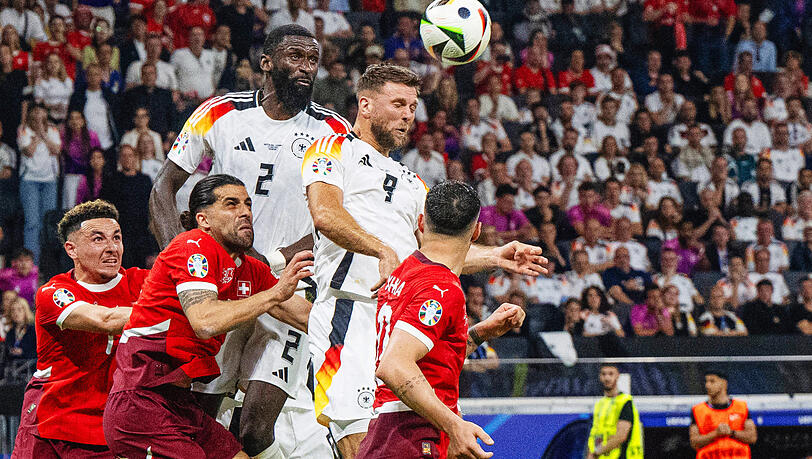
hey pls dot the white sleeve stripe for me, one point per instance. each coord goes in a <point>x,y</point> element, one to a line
<point>67,311</point>
<point>196,285</point>
<point>412,330</point>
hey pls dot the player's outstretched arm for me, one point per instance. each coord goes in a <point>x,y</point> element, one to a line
<point>333,221</point>
<point>505,318</point>
<point>96,319</point>
<point>514,257</point>
<point>399,371</point>
<point>163,212</point>
<point>210,317</point>
<point>294,311</point>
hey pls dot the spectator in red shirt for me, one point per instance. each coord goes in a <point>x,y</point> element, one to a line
<point>664,15</point>
<point>80,36</point>
<point>196,13</point>
<point>58,44</point>
<point>713,22</point>
<point>12,40</point>
<point>499,64</point>
<point>534,75</point>
<point>575,72</point>
<point>744,66</point>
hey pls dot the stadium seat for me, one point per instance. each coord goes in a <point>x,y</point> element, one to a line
<point>704,281</point>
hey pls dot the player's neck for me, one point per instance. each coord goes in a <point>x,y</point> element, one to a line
<point>363,131</point>
<point>719,399</point>
<point>90,277</point>
<point>613,392</point>
<point>273,106</point>
<point>447,251</point>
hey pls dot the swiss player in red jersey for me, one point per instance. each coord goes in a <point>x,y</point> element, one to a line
<point>423,338</point>
<point>79,316</point>
<point>179,323</point>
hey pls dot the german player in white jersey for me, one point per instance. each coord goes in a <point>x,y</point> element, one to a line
<point>365,209</point>
<point>260,137</point>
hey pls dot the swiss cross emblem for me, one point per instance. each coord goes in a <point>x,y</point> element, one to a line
<point>243,288</point>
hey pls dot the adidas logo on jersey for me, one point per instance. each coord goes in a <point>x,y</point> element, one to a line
<point>365,161</point>
<point>282,374</point>
<point>245,145</point>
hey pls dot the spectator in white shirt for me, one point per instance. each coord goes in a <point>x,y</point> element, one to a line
<point>27,23</point>
<point>638,253</point>
<point>145,150</point>
<point>495,105</point>
<point>612,190</point>
<point>194,67</point>
<point>597,314</point>
<point>622,92</point>
<point>527,151</point>
<point>166,71</point>
<point>426,162</point>
<point>716,321</point>
<point>141,127</point>
<point>688,294</point>
<point>610,163</point>
<point>775,104</point>
<point>720,183</point>
<point>762,271</point>
<point>295,13</point>
<point>787,161</point>
<point>758,134</point>
<point>779,254</point>
<point>54,89</point>
<point>605,63</point>
<point>736,287</point>
<point>569,147</point>
<point>659,186</point>
<point>335,25</point>
<point>793,227</point>
<point>581,277</point>
<point>678,134</point>
<point>800,129</point>
<point>765,190</point>
<point>607,125</point>
<point>564,191</point>
<point>664,102</point>
<point>694,159</point>
<point>475,127</point>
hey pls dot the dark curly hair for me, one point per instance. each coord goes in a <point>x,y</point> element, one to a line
<point>73,219</point>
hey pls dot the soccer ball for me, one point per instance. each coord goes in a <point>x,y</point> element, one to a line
<point>455,31</point>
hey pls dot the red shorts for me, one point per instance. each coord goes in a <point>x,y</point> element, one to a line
<point>403,435</point>
<point>28,444</point>
<point>164,422</point>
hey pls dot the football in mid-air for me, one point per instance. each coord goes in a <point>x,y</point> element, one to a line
<point>455,31</point>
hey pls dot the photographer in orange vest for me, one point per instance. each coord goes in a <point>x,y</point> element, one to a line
<point>721,426</point>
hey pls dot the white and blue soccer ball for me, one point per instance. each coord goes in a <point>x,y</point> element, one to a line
<point>455,32</point>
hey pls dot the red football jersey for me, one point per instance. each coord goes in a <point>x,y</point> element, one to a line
<point>76,367</point>
<point>158,345</point>
<point>424,299</point>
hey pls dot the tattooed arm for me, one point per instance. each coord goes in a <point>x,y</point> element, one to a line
<point>210,317</point>
<point>399,371</point>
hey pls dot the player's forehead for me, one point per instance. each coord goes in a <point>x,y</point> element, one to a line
<point>297,43</point>
<point>398,91</point>
<point>226,192</point>
<point>105,226</point>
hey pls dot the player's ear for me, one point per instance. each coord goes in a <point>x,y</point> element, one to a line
<point>265,63</point>
<point>364,106</point>
<point>477,231</point>
<point>70,249</point>
<point>202,221</point>
<point>421,223</point>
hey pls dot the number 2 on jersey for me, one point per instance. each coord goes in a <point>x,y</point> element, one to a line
<point>389,184</point>
<point>267,177</point>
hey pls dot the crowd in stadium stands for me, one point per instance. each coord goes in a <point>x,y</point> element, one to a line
<point>659,151</point>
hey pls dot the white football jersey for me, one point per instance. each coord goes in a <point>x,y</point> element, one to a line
<point>264,153</point>
<point>383,196</point>
<point>686,288</point>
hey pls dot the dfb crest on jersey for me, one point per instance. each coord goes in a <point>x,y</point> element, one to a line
<point>322,166</point>
<point>198,265</point>
<point>301,143</point>
<point>430,312</point>
<point>63,297</point>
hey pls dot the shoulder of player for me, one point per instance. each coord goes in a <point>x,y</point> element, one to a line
<point>333,146</point>
<point>336,122</point>
<point>217,107</point>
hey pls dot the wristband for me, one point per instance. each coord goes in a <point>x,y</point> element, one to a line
<point>277,262</point>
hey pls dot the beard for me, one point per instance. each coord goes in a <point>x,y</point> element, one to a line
<point>386,137</point>
<point>236,242</point>
<point>293,97</point>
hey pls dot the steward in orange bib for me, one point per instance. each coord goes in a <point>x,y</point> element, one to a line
<point>721,427</point>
